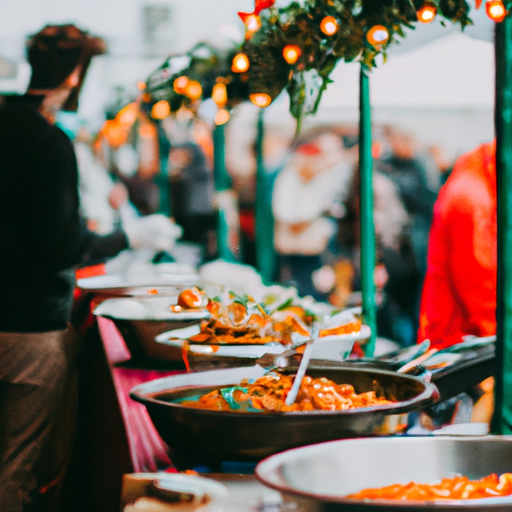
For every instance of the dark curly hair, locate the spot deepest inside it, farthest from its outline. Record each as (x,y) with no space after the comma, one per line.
(55,51)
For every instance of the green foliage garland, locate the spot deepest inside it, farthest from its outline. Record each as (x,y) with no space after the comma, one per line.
(299,24)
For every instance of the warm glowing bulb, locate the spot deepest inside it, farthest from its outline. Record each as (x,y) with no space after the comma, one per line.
(127,114)
(222,117)
(291,53)
(193,90)
(252,22)
(219,94)
(329,25)
(141,86)
(427,13)
(260,99)
(240,63)
(495,10)
(161,109)
(180,84)
(377,35)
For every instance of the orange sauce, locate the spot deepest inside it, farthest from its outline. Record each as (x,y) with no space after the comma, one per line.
(456,488)
(268,393)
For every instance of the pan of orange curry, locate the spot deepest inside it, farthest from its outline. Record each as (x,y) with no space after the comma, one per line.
(396,474)
(239,414)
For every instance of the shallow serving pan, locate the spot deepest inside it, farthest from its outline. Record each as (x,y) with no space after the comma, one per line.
(138,284)
(141,319)
(196,435)
(203,356)
(321,475)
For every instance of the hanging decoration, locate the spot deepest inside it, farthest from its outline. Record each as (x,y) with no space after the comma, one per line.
(183,81)
(324,32)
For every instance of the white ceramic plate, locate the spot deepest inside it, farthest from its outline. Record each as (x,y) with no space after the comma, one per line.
(138,284)
(147,309)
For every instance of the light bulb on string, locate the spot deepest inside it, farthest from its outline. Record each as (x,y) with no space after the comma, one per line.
(427,13)
(260,99)
(128,114)
(180,84)
(377,35)
(329,25)
(141,86)
(219,94)
(240,63)
(495,10)
(252,22)
(161,109)
(193,90)
(291,53)
(222,117)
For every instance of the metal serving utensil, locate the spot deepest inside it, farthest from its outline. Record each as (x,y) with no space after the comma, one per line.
(301,371)
(270,361)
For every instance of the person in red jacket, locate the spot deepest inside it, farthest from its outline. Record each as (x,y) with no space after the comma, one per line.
(459,291)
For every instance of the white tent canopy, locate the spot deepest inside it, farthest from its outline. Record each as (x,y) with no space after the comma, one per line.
(451,72)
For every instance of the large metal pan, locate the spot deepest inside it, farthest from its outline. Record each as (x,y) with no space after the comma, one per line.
(319,476)
(196,435)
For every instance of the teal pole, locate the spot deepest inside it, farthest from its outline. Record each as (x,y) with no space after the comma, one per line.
(265,256)
(222,184)
(162,178)
(502,419)
(366,210)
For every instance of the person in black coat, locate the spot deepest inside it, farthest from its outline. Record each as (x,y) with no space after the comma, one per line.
(42,239)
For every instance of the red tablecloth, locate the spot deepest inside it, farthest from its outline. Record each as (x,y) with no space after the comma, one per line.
(147,450)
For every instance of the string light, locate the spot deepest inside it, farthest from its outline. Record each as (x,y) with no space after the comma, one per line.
(252,22)
(377,35)
(427,13)
(128,114)
(260,99)
(329,25)
(180,84)
(291,53)
(222,117)
(495,10)
(193,90)
(141,86)
(220,94)
(161,109)
(240,63)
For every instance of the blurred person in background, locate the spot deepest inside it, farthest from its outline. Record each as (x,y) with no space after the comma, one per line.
(459,292)
(192,192)
(305,190)
(416,189)
(43,238)
(397,276)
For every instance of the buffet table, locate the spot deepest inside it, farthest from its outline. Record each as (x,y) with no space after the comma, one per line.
(118,437)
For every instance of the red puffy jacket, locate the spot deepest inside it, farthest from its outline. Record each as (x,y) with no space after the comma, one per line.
(459,292)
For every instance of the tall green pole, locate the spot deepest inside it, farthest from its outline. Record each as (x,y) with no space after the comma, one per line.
(502,420)
(162,178)
(222,185)
(265,255)
(366,209)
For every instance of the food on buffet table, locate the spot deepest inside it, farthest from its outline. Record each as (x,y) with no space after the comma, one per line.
(268,394)
(241,320)
(192,298)
(456,488)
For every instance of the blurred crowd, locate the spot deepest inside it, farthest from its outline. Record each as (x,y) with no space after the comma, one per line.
(311,196)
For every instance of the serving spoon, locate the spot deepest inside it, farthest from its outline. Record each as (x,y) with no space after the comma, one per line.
(301,371)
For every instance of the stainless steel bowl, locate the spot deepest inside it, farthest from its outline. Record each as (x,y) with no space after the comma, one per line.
(321,475)
(214,436)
